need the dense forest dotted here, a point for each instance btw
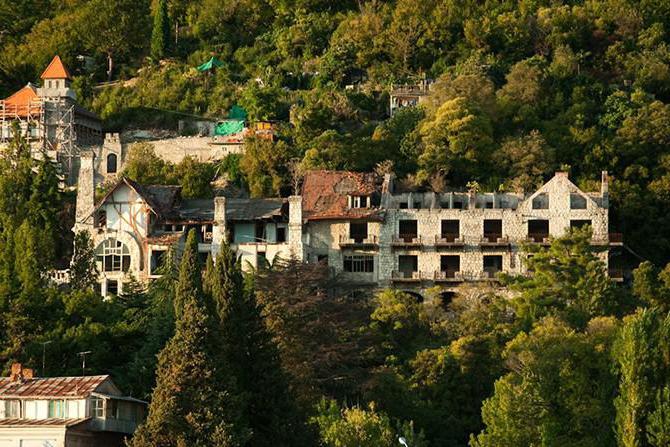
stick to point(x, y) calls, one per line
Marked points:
point(522, 88)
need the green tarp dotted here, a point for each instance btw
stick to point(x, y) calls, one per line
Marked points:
point(229, 127)
point(210, 64)
point(237, 113)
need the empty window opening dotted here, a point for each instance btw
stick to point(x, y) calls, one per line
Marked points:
point(492, 265)
point(358, 231)
point(450, 265)
point(402, 205)
point(577, 202)
point(541, 202)
point(580, 223)
point(492, 229)
point(408, 264)
point(113, 255)
point(359, 264)
point(359, 202)
point(538, 230)
point(408, 230)
point(112, 287)
point(101, 218)
point(281, 234)
point(111, 164)
point(157, 259)
point(450, 230)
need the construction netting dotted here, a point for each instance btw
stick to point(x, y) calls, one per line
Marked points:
point(211, 64)
point(229, 127)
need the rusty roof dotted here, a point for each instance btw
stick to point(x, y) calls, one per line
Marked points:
point(23, 103)
point(56, 70)
point(56, 387)
point(51, 422)
point(325, 194)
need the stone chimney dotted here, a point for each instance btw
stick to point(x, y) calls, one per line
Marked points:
point(605, 189)
point(219, 228)
point(85, 191)
point(19, 374)
point(295, 227)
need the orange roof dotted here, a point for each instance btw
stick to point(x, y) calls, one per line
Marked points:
point(19, 104)
point(53, 387)
point(56, 70)
point(324, 195)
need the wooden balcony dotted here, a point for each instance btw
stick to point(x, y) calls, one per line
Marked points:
point(449, 241)
point(369, 242)
point(448, 276)
point(407, 241)
point(406, 277)
point(494, 240)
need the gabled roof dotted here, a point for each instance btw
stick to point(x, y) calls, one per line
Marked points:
point(51, 387)
point(325, 194)
point(19, 103)
point(56, 70)
point(161, 199)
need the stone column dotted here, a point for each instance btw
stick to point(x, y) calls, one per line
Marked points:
point(219, 228)
point(85, 192)
point(605, 190)
point(295, 227)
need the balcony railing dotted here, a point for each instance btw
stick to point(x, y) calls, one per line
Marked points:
point(539, 238)
point(407, 240)
point(616, 239)
point(370, 241)
point(448, 240)
point(615, 274)
point(448, 276)
point(494, 239)
point(403, 276)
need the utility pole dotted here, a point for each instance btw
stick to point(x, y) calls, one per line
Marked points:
point(83, 355)
point(44, 356)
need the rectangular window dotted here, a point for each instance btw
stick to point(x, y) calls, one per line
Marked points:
point(359, 202)
point(358, 231)
point(403, 205)
point(492, 265)
point(492, 229)
point(98, 407)
point(580, 223)
point(417, 205)
point(57, 409)
point(408, 264)
point(538, 229)
point(450, 264)
point(450, 229)
point(359, 264)
point(408, 230)
point(12, 409)
point(112, 287)
point(458, 204)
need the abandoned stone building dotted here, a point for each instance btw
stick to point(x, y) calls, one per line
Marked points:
point(369, 232)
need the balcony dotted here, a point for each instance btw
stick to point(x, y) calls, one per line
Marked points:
point(539, 238)
point(368, 242)
point(448, 276)
point(489, 274)
point(449, 241)
point(494, 240)
point(407, 241)
point(612, 239)
point(406, 277)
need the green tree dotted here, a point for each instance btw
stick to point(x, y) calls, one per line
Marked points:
point(253, 358)
point(83, 269)
point(559, 390)
point(160, 33)
point(194, 402)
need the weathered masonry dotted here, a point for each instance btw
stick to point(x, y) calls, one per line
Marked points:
point(370, 233)
point(373, 234)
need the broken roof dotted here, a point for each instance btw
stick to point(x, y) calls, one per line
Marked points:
point(54, 387)
point(56, 70)
point(160, 198)
point(325, 194)
point(255, 209)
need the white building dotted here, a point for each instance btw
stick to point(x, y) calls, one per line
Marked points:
point(65, 411)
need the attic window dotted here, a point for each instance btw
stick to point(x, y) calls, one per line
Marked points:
point(359, 201)
point(541, 202)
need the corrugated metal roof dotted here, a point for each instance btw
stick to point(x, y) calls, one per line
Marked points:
point(55, 387)
point(253, 209)
point(52, 422)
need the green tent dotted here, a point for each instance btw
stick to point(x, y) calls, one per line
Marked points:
point(211, 64)
point(229, 127)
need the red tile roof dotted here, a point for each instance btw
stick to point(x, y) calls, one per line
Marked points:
point(56, 70)
point(43, 387)
point(325, 195)
point(52, 422)
point(22, 103)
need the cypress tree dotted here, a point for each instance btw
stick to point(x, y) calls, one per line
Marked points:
point(160, 34)
point(193, 403)
point(252, 356)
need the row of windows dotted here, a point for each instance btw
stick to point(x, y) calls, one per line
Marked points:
point(449, 264)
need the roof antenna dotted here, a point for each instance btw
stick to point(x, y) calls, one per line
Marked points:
point(44, 355)
point(83, 355)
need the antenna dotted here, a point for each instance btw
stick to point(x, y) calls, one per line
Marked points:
point(44, 355)
point(83, 355)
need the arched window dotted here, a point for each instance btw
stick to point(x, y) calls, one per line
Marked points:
point(113, 255)
point(111, 164)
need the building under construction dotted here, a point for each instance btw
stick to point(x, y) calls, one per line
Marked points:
point(50, 118)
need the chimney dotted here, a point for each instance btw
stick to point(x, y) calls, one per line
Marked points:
point(219, 230)
point(295, 227)
point(28, 373)
point(605, 189)
point(85, 189)
point(18, 373)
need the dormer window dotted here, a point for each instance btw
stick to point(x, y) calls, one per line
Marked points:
point(360, 201)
